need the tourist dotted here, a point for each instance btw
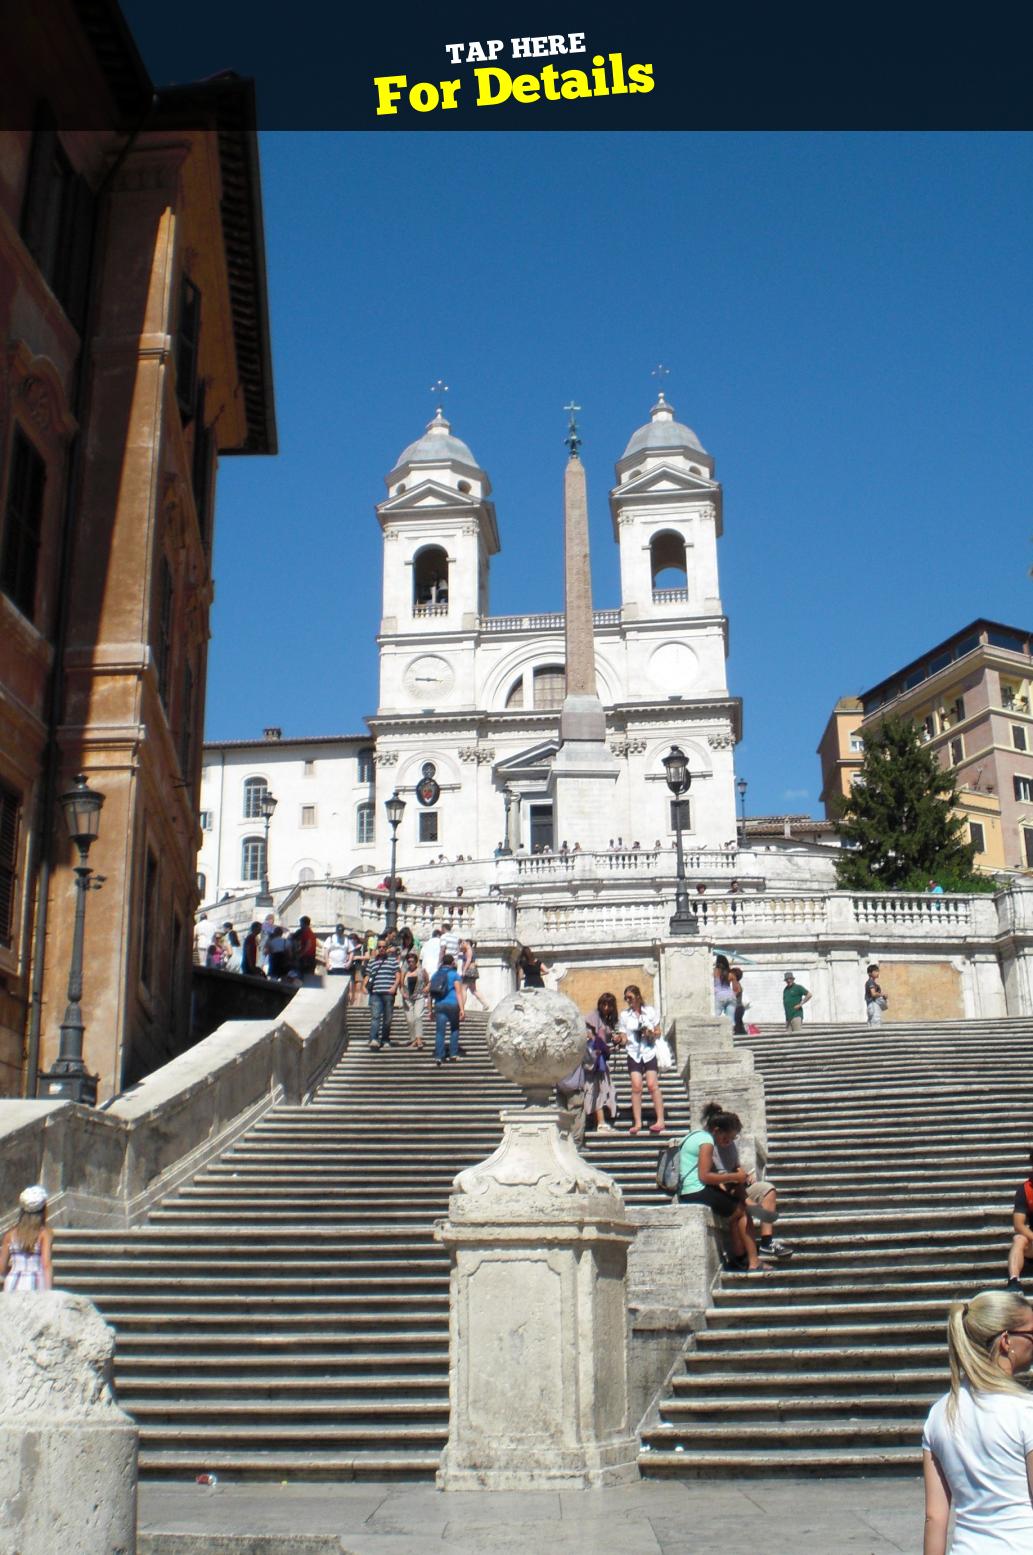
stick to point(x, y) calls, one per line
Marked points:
point(450, 941)
point(469, 970)
point(277, 947)
point(217, 956)
point(977, 1446)
point(734, 889)
point(570, 1095)
point(337, 948)
point(701, 1182)
point(204, 933)
point(446, 988)
point(739, 1023)
point(760, 1198)
point(25, 1251)
point(640, 1026)
point(600, 1094)
point(531, 969)
point(251, 950)
point(699, 906)
point(875, 1000)
point(358, 967)
point(414, 992)
point(231, 949)
point(268, 928)
point(1022, 1223)
point(383, 976)
point(724, 994)
point(794, 997)
point(303, 948)
point(430, 958)
point(934, 888)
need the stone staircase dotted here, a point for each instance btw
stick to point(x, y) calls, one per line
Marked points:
point(896, 1152)
point(285, 1315)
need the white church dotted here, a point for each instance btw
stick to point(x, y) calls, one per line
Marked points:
point(469, 703)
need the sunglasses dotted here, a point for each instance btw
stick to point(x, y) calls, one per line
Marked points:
point(1019, 1333)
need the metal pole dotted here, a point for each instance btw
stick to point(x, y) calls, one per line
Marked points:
point(264, 898)
point(392, 888)
point(684, 920)
point(68, 1078)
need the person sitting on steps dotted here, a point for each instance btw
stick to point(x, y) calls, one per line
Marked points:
point(761, 1198)
point(700, 1182)
point(1022, 1241)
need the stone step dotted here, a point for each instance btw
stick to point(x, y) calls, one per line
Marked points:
point(907, 1406)
point(734, 1354)
point(352, 1391)
point(245, 1463)
point(704, 1463)
point(331, 1418)
point(760, 1434)
point(772, 1389)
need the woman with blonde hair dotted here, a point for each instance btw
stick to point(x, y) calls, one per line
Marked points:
point(26, 1248)
point(977, 1446)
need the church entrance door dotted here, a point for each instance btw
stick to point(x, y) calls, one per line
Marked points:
point(541, 827)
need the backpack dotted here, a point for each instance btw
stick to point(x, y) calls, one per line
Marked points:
point(439, 983)
point(668, 1169)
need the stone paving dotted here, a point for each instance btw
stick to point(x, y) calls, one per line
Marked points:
point(756, 1517)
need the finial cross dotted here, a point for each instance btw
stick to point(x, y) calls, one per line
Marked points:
point(439, 390)
point(572, 439)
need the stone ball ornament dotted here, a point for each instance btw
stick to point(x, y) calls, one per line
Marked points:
point(535, 1038)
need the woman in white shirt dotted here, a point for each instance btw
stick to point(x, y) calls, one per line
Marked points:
point(977, 1447)
point(640, 1027)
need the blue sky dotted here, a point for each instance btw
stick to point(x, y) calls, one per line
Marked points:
point(847, 320)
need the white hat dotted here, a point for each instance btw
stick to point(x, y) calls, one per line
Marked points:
point(34, 1199)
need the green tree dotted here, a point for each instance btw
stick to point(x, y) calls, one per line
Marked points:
point(899, 817)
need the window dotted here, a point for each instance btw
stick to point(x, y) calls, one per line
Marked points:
point(977, 836)
point(255, 790)
point(1027, 843)
point(928, 727)
point(1018, 737)
point(204, 820)
point(515, 695)
point(202, 885)
point(202, 467)
point(1007, 695)
point(428, 826)
point(148, 927)
point(1023, 789)
point(305, 874)
point(23, 524)
point(309, 769)
point(10, 815)
point(57, 219)
point(856, 745)
point(957, 750)
point(957, 710)
point(550, 686)
point(252, 858)
point(366, 764)
point(308, 815)
point(430, 580)
point(163, 628)
point(365, 824)
point(680, 807)
point(188, 348)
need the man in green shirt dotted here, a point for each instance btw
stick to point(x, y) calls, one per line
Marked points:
point(794, 997)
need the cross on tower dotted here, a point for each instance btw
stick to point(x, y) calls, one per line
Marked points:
point(439, 390)
point(661, 372)
point(572, 439)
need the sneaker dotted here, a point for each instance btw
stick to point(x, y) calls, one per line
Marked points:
point(774, 1249)
point(604, 1128)
point(374, 1047)
point(1016, 1286)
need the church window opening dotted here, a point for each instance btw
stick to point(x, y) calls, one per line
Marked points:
point(365, 824)
point(252, 858)
point(366, 764)
point(429, 826)
point(255, 790)
point(550, 686)
point(668, 568)
point(305, 874)
point(430, 581)
point(515, 697)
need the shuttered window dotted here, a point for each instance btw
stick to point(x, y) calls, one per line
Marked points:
point(10, 813)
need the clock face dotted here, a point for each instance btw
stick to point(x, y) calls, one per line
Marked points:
point(428, 679)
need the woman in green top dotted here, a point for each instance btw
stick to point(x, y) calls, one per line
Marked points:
point(701, 1184)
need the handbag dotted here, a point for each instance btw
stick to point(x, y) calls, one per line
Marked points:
point(882, 1002)
point(664, 1056)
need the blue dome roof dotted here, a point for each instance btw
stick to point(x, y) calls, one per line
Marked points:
point(436, 446)
point(663, 432)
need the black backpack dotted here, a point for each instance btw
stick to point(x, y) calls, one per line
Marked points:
point(439, 983)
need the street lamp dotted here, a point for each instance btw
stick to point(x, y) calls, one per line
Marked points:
point(395, 807)
point(266, 806)
point(68, 1079)
point(507, 848)
point(679, 781)
point(741, 787)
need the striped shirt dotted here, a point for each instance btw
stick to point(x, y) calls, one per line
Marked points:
point(382, 973)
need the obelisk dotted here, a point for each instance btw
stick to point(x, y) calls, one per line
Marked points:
point(585, 770)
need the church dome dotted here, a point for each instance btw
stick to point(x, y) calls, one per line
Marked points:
point(663, 432)
point(436, 446)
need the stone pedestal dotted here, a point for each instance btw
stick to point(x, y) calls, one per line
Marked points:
point(538, 1341)
point(67, 1452)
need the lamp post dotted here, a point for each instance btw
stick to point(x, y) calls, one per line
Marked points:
point(507, 847)
point(68, 1078)
point(266, 805)
point(395, 807)
point(741, 787)
point(679, 781)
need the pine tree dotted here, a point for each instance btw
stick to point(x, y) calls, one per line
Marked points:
point(900, 817)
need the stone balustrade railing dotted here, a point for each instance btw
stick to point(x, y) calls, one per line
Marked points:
point(614, 862)
point(551, 620)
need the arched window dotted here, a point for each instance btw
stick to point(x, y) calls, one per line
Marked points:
point(202, 885)
point(550, 686)
point(306, 874)
point(515, 698)
point(667, 564)
point(430, 581)
point(255, 790)
point(366, 764)
point(252, 858)
point(365, 823)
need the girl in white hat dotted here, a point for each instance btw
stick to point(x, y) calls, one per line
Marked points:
point(25, 1249)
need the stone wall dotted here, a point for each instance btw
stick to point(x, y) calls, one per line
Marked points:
point(922, 990)
point(584, 984)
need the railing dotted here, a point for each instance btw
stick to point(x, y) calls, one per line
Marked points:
point(429, 610)
point(670, 596)
point(933, 911)
point(543, 621)
point(621, 861)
